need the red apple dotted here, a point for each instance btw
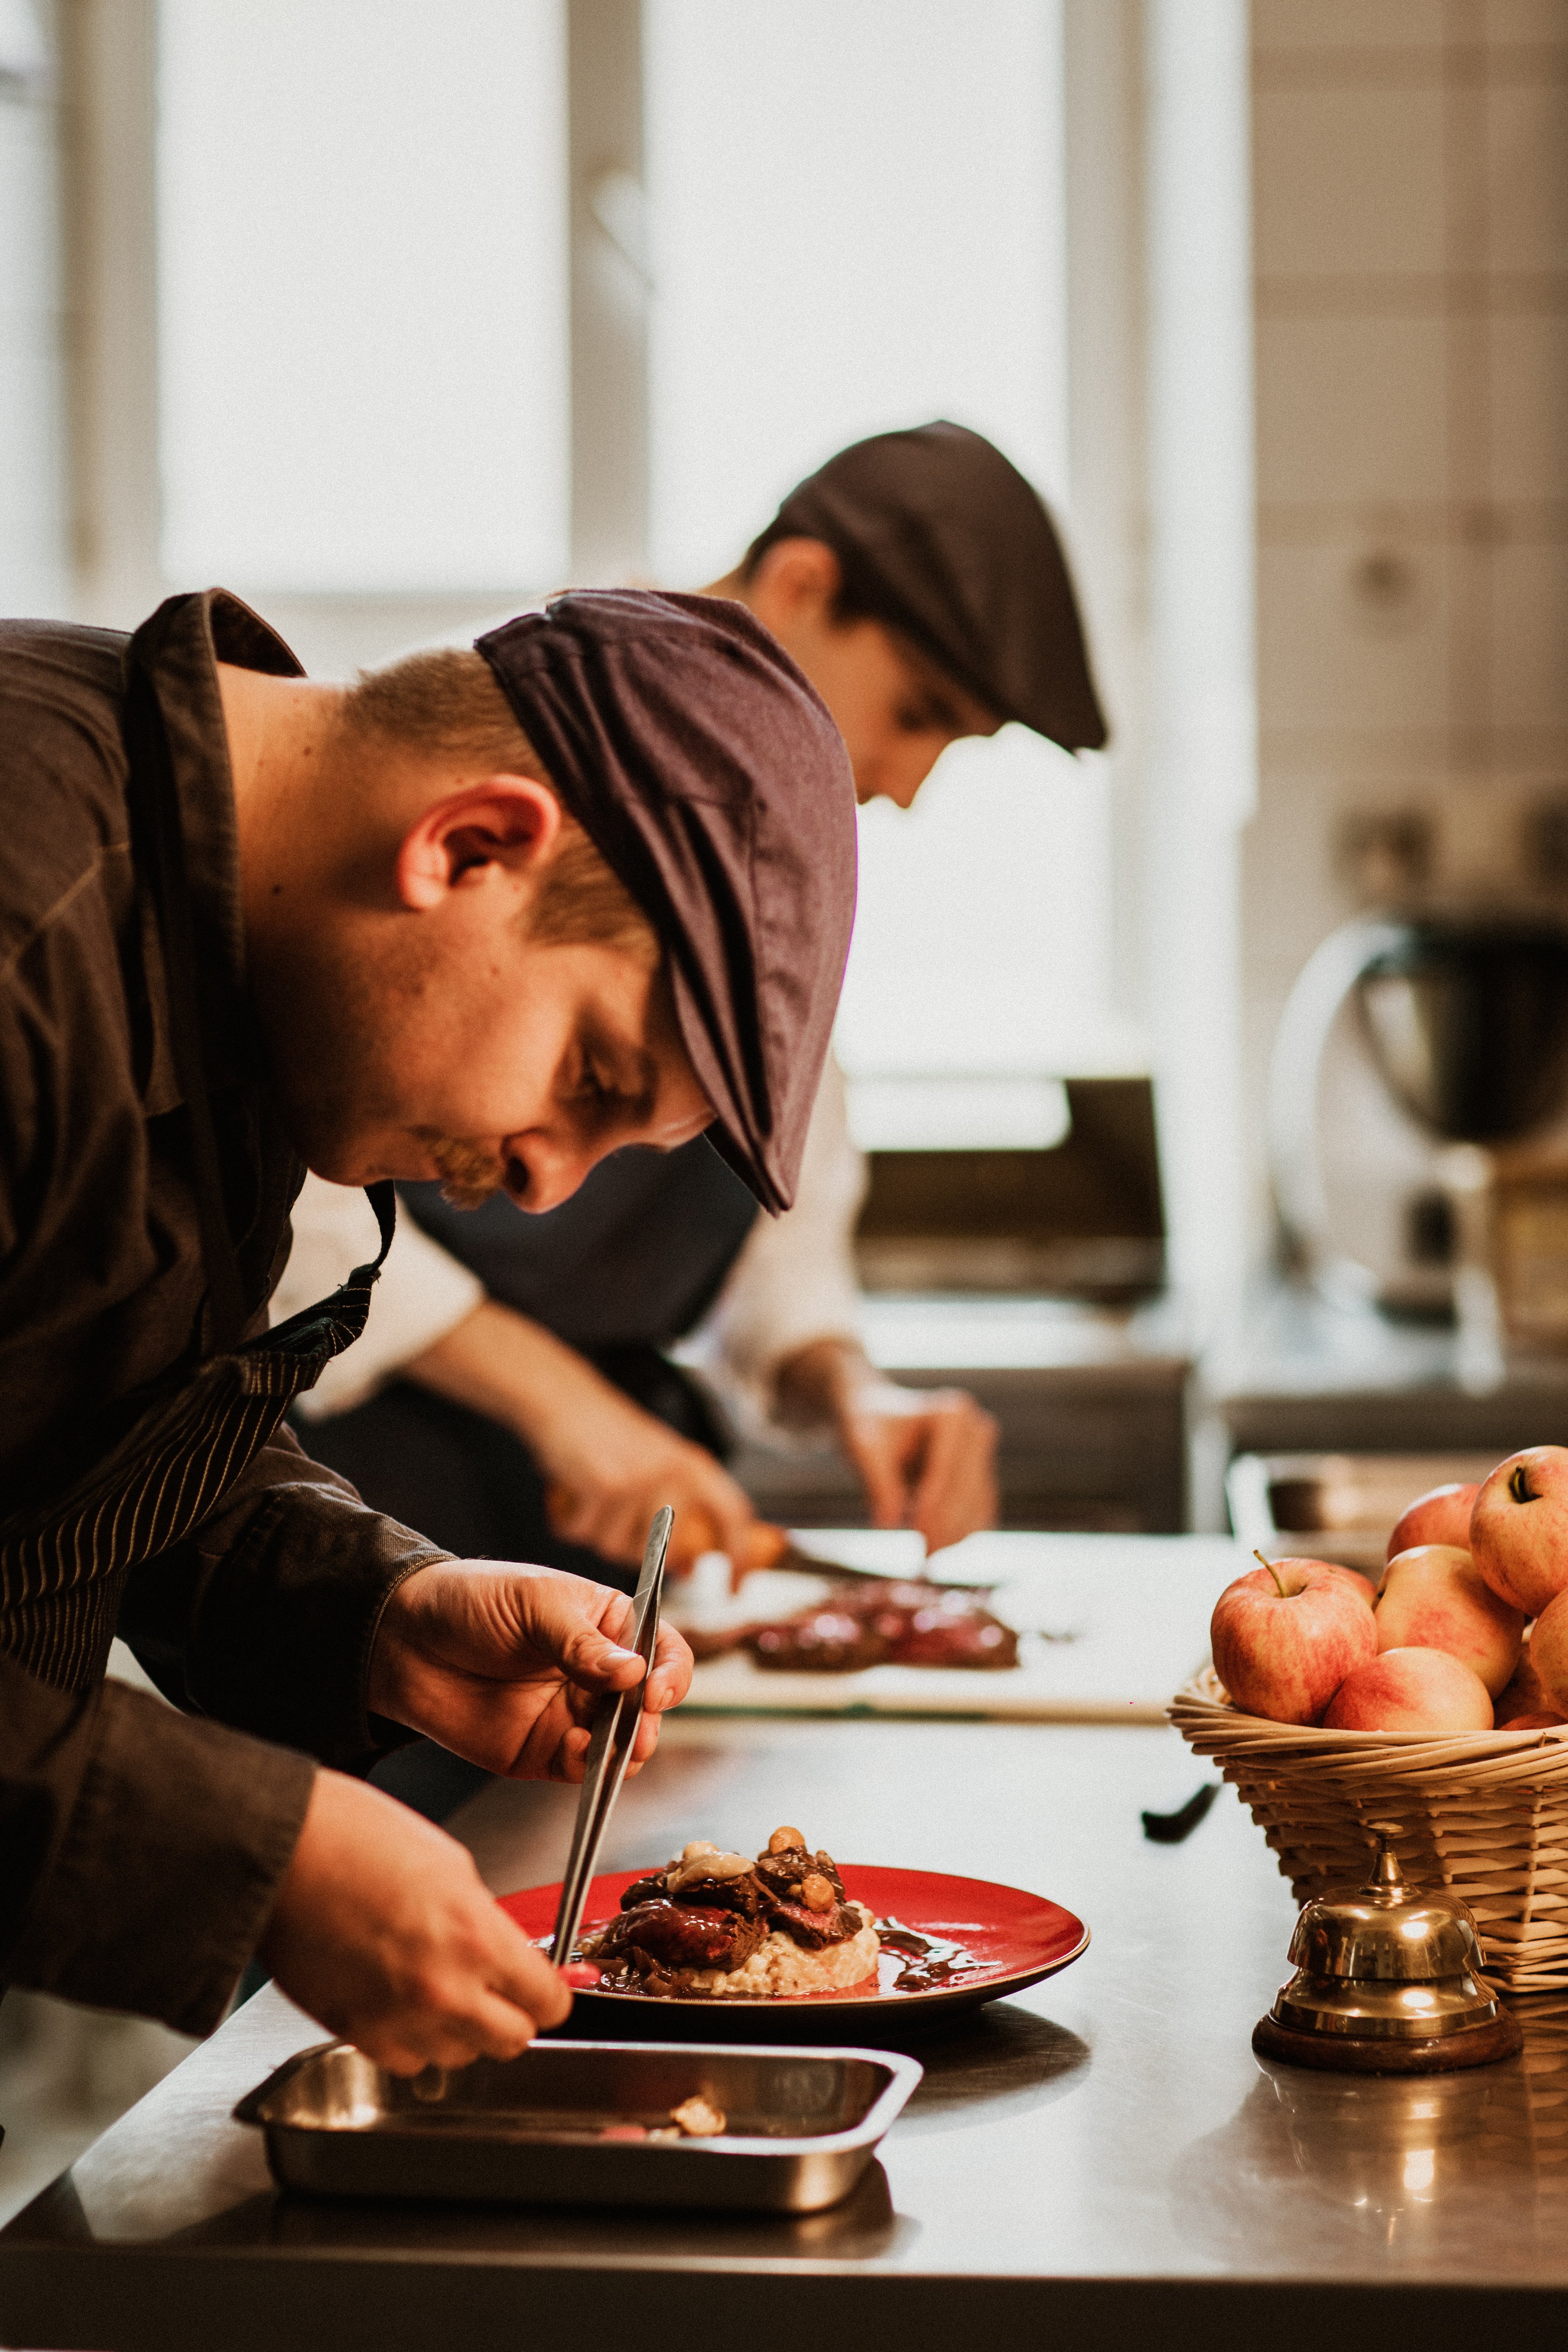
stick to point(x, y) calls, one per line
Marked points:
point(1286, 1636)
point(1523, 1699)
point(1441, 1516)
point(1411, 1690)
point(1518, 1528)
point(1548, 1656)
point(1435, 1598)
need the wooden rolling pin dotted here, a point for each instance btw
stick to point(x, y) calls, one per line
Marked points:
point(694, 1533)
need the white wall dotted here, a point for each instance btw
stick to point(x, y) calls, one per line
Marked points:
point(1200, 745)
point(34, 567)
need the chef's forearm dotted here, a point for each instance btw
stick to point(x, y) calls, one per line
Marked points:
point(267, 1616)
point(507, 1367)
point(818, 1384)
point(141, 1852)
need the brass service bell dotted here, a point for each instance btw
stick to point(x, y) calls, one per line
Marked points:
point(1387, 1981)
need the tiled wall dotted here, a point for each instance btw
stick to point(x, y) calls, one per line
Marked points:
point(1411, 224)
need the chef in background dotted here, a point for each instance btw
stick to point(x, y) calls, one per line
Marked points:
point(919, 583)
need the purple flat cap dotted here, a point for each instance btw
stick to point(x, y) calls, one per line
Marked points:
point(709, 776)
point(947, 540)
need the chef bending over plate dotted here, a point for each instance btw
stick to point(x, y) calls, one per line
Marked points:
point(479, 919)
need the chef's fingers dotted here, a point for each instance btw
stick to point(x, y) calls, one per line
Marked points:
point(602, 1525)
point(590, 1659)
point(489, 2028)
point(523, 1982)
point(563, 1756)
point(644, 1743)
point(955, 1491)
point(591, 1647)
point(876, 1447)
point(671, 1676)
point(721, 1512)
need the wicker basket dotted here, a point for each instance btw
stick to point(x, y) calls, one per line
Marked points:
point(1486, 1812)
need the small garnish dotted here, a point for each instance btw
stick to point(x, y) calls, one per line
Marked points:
point(786, 1841)
point(699, 2118)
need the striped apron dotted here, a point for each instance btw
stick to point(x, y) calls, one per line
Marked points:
point(63, 1565)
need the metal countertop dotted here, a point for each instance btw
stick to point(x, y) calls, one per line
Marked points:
point(1103, 2158)
point(1296, 1374)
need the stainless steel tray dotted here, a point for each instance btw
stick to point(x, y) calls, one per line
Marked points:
point(1340, 1507)
point(802, 2125)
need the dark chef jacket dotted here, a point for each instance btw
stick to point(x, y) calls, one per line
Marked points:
point(637, 1254)
point(141, 1848)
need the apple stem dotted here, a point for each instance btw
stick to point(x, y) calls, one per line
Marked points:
point(1273, 1571)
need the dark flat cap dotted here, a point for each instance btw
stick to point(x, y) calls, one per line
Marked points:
point(959, 553)
point(709, 776)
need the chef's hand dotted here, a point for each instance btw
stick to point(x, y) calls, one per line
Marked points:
point(614, 1462)
point(611, 1465)
point(926, 1457)
point(504, 1665)
point(387, 1935)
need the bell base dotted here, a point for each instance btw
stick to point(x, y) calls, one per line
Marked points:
point(1348, 2053)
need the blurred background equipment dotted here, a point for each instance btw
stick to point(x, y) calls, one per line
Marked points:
point(1400, 1040)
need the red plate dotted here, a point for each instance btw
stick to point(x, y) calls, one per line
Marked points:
point(1017, 1938)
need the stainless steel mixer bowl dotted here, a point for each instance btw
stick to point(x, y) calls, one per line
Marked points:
point(1468, 1024)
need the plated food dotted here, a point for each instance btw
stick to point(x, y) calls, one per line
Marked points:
point(720, 1926)
point(690, 1951)
point(1467, 1632)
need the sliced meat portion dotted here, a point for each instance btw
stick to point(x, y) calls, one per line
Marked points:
point(746, 1895)
point(820, 1640)
point(885, 1620)
point(650, 1889)
point(814, 1930)
point(683, 1935)
point(967, 1636)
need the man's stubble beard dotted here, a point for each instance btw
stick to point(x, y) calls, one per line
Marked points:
point(340, 1100)
point(471, 1173)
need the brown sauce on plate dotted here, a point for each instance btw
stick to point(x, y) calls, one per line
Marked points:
point(928, 1961)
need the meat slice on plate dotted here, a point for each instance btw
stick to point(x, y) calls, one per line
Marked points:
point(683, 1935)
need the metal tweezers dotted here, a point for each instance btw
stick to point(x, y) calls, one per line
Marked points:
point(615, 1720)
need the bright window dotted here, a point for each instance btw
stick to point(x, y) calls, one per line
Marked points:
point(856, 222)
point(362, 265)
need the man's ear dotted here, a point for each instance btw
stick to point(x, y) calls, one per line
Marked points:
point(798, 578)
point(504, 824)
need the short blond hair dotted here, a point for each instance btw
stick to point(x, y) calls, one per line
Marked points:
point(445, 703)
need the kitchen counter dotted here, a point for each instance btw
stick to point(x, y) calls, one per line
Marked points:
point(1100, 2162)
point(1300, 1374)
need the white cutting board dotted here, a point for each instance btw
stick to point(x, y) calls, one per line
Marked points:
point(1136, 1609)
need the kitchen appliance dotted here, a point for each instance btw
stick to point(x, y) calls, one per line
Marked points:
point(1388, 1981)
point(1338, 1507)
point(1400, 1042)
